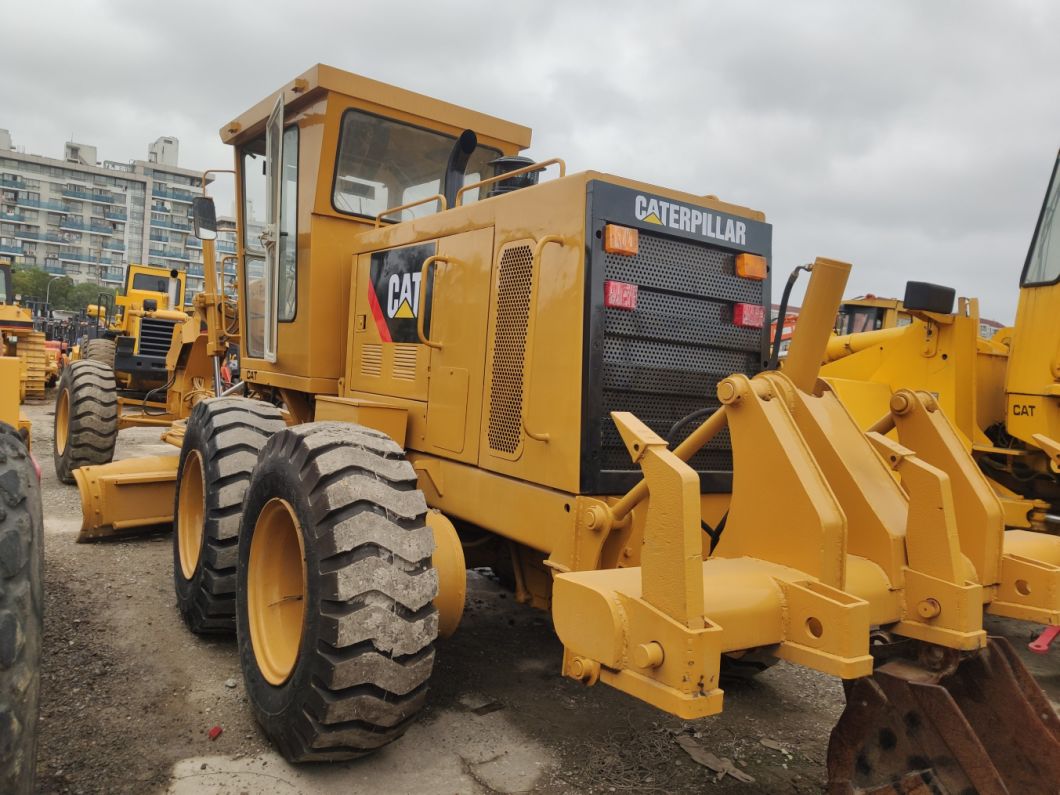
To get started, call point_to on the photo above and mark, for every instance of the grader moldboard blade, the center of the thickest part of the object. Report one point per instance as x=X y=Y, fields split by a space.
x=126 y=497
x=936 y=721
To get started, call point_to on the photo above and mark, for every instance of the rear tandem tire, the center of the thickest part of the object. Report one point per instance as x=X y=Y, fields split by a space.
x=99 y=350
x=21 y=608
x=336 y=621
x=86 y=418
x=219 y=451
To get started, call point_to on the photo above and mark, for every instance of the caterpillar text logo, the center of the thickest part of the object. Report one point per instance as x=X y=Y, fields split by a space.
x=403 y=295
x=690 y=219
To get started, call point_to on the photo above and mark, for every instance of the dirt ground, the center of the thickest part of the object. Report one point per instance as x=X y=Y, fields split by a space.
x=129 y=696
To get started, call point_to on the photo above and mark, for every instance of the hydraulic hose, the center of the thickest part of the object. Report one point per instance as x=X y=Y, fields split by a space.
x=774 y=356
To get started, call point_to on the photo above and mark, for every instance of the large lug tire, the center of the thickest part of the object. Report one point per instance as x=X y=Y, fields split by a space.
x=336 y=621
x=86 y=418
x=220 y=448
x=99 y=350
x=21 y=607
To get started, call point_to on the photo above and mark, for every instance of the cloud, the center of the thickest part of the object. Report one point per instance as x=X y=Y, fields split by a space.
x=912 y=139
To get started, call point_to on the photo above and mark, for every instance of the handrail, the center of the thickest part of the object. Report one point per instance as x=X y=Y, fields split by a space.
x=435 y=198
x=531 y=327
x=509 y=174
x=423 y=298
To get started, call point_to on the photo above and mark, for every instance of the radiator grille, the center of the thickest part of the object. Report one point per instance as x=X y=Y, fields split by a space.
x=663 y=360
x=155 y=336
x=509 y=348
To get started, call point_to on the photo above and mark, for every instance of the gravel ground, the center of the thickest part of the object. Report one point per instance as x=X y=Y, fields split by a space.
x=129 y=695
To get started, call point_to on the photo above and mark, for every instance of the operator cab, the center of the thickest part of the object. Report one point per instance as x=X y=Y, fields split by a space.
x=1042 y=267
x=327 y=149
x=869 y=313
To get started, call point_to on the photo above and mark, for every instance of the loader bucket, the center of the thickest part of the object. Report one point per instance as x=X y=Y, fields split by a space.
x=125 y=497
x=946 y=723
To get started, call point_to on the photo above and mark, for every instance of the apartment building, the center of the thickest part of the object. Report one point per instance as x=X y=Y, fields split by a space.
x=86 y=219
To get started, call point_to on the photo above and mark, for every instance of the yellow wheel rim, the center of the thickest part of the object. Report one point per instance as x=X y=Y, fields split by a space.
x=190 y=514
x=276 y=588
x=62 y=422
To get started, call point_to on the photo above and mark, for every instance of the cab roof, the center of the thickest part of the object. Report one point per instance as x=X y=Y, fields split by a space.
x=320 y=79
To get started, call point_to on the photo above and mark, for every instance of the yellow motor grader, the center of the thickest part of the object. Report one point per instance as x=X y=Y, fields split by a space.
x=150 y=369
x=449 y=362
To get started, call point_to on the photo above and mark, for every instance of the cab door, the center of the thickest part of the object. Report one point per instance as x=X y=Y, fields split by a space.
x=270 y=237
x=432 y=364
x=456 y=297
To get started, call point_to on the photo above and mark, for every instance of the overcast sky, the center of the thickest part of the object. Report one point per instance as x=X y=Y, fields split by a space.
x=913 y=139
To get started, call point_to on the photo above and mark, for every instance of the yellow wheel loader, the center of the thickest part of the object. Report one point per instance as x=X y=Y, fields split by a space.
x=136 y=342
x=1002 y=393
x=123 y=364
x=450 y=362
x=870 y=312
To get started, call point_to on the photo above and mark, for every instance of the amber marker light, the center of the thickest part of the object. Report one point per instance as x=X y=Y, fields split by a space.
x=621 y=240
x=751 y=266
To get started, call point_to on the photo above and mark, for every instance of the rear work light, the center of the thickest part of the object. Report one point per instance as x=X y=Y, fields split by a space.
x=621 y=240
x=751 y=266
x=748 y=315
x=620 y=295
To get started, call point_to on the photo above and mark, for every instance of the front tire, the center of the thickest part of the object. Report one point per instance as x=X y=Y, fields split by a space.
x=21 y=608
x=335 y=613
x=86 y=418
x=219 y=451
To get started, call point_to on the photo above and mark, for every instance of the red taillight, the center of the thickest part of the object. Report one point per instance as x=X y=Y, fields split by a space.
x=620 y=295
x=748 y=315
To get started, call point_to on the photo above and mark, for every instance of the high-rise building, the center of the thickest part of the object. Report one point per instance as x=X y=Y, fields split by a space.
x=88 y=220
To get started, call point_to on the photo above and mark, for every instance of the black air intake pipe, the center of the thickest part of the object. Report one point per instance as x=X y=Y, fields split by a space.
x=454 y=169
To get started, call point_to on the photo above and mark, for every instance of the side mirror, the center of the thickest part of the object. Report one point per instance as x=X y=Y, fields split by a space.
x=204 y=218
x=927 y=297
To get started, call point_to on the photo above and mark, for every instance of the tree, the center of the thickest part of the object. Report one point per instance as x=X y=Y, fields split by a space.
x=64 y=293
x=84 y=294
x=32 y=282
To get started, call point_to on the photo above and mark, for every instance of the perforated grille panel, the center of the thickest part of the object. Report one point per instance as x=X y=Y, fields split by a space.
x=664 y=359
x=509 y=349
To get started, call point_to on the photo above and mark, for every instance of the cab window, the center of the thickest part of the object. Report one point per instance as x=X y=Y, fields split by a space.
x=252 y=167
x=856 y=319
x=150 y=283
x=1043 y=262
x=383 y=163
x=287 y=283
